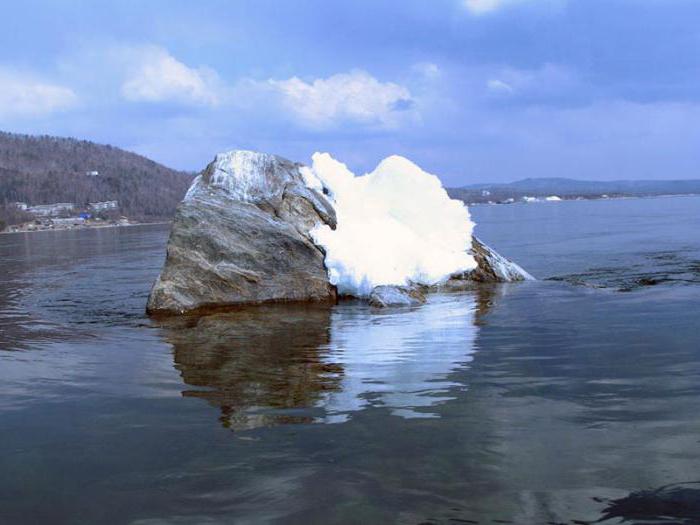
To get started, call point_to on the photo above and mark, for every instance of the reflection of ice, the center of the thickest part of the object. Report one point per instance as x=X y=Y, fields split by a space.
x=400 y=360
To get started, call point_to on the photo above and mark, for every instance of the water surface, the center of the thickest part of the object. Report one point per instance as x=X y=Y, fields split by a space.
x=560 y=401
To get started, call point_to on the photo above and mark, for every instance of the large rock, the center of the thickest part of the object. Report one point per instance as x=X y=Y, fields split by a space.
x=241 y=235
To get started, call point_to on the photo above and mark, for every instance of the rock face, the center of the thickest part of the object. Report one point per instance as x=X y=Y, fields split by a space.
x=241 y=235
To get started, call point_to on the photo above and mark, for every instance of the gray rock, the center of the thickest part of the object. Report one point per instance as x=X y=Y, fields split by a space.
x=389 y=295
x=491 y=268
x=241 y=235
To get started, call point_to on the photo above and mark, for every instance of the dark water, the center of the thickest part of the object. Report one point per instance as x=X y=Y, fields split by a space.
x=561 y=401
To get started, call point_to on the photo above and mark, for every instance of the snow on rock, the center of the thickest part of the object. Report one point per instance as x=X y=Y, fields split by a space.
x=246 y=176
x=396 y=226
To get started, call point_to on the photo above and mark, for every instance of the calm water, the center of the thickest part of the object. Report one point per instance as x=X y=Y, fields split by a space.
x=549 y=402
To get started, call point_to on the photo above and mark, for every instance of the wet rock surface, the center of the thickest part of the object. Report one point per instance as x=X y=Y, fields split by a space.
x=396 y=296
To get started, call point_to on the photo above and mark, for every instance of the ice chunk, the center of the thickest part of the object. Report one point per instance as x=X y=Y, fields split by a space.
x=396 y=225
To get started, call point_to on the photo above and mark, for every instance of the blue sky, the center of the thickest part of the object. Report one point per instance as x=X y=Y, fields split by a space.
x=472 y=90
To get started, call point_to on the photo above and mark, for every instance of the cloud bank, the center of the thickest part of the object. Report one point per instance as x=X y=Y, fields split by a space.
x=157 y=76
x=24 y=95
x=355 y=97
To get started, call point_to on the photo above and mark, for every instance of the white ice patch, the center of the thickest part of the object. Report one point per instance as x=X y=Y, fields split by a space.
x=395 y=225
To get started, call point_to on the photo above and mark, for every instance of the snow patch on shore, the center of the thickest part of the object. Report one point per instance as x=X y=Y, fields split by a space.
x=395 y=225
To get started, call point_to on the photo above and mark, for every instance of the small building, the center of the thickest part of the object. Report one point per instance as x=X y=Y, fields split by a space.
x=70 y=221
x=103 y=206
x=93 y=173
x=51 y=210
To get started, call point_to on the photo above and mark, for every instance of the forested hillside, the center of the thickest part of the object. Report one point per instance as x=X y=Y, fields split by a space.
x=45 y=170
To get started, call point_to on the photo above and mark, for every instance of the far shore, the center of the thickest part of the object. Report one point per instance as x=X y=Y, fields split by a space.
x=84 y=227
x=542 y=200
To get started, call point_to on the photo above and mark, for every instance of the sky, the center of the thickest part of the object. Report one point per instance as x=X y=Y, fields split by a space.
x=471 y=90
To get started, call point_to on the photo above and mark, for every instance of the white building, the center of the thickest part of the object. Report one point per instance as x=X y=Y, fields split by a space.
x=51 y=210
x=93 y=173
x=104 y=206
x=71 y=221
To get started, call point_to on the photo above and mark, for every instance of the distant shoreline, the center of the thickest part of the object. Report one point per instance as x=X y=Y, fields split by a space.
x=578 y=199
x=86 y=227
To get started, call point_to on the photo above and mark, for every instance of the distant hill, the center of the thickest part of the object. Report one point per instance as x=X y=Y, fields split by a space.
x=570 y=188
x=44 y=170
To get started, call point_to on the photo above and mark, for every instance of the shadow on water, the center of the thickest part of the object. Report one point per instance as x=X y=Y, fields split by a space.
x=286 y=364
x=678 y=503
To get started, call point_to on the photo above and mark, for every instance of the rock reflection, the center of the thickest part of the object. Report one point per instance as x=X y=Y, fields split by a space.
x=283 y=364
x=253 y=362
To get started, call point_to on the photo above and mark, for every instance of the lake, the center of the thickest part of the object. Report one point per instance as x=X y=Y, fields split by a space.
x=566 y=400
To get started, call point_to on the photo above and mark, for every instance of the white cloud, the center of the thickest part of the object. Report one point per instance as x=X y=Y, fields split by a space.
x=356 y=97
x=23 y=95
x=157 y=76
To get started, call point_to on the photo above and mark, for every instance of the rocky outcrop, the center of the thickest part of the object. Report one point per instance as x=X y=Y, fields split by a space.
x=491 y=268
x=241 y=235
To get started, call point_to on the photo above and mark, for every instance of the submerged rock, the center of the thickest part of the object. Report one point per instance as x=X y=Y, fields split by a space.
x=241 y=235
x=389 y=295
